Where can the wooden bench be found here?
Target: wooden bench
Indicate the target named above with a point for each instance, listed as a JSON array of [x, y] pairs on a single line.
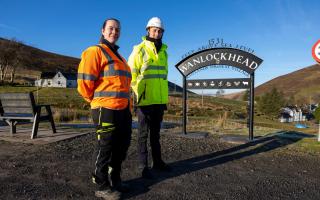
[[21, 107]]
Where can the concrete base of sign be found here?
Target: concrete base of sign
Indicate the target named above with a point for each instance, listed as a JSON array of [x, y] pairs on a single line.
[[236, 139], [193, 135]]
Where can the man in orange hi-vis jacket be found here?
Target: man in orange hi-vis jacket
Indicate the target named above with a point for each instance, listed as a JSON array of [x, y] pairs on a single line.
[[104, 79]]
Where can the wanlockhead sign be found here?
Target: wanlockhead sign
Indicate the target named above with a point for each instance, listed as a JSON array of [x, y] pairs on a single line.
[[219, 56], [242, 60]]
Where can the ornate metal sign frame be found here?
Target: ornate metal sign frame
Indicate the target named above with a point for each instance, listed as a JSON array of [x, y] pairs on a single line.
[[237, 58]]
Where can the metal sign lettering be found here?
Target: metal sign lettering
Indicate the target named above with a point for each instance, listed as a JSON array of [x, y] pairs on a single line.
[[235, 83], [219, 56]]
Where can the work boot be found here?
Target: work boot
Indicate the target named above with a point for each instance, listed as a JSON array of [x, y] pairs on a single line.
[[108, 194], [162, 166], [116, 181], [120, 186], [146, 173]]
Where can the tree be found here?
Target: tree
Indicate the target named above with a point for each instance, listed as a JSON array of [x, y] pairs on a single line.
[[316, 114], [10, 57], [246, 95], [291, 101], [271, 102]]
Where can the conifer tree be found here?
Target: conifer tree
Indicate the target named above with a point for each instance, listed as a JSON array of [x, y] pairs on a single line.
[[271, 102]]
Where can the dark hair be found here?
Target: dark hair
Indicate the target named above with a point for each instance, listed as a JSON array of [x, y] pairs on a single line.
[[104, 24]]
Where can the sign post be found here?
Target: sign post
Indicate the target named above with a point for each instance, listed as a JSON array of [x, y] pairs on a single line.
[[251, 111], [319, 132], [242, 60], [184, 124], [316, 56]]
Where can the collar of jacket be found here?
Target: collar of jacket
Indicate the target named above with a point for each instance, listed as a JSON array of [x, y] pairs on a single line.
[[151, 44], [157, 42], [112, 47]]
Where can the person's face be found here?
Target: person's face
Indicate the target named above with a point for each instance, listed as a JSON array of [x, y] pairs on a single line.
[[155, 33], [111, 31]]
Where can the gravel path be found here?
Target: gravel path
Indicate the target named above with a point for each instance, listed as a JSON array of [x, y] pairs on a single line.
[[202, 169]]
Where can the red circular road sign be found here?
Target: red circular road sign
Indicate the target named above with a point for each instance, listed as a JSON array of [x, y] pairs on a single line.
[[316, 51]]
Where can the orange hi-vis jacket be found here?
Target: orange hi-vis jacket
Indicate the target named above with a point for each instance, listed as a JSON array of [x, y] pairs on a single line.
[[104, 79]]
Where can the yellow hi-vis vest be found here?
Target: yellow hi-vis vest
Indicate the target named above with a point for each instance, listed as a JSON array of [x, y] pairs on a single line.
[[149, 71]]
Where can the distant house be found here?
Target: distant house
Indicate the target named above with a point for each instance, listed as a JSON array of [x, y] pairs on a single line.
[[57, 79], [292, 114], [45, 79]]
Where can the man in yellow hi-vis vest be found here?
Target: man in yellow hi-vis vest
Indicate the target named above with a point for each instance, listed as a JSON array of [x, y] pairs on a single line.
[[149, 68]]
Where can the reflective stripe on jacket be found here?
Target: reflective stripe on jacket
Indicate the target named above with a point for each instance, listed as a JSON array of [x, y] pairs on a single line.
[[103, 79], [149, 73]]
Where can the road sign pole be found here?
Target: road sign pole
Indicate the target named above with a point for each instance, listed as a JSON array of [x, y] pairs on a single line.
[[184, 123], [316, 56], [319, 132]]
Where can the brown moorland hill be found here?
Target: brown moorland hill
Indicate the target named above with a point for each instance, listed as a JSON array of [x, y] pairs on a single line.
[[303, 84], [33, 61]]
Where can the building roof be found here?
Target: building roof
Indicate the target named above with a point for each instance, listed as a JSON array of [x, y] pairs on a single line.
[[50, 75], [47, 75], [70, 76]]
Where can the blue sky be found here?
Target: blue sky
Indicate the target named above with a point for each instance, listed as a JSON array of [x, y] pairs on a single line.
[[281, 32]]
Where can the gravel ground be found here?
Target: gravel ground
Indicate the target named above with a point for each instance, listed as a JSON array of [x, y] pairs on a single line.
[[202, 169]]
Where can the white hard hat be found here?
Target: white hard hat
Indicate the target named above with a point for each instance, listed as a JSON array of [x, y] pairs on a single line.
[[155, 22]]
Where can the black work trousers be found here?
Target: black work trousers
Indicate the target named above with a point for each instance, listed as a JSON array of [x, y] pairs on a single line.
[[149, 119], [113, 131]]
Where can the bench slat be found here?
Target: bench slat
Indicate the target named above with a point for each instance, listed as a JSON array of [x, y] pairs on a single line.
[[21, 110], [12, 96], [15, 117], [16, 103]]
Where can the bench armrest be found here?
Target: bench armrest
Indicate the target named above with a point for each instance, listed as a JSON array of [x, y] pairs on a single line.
[[47, 106]]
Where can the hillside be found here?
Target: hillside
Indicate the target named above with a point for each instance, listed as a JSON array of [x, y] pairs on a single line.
[[33, 61], [43, 60], [37, 61], [303, 84], [234, 96]]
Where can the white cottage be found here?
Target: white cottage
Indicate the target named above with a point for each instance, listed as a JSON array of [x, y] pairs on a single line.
[[64, 80], [59, 79]]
